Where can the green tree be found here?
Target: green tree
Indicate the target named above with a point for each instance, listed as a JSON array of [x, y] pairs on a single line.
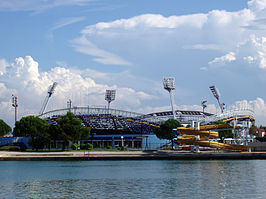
[[224, 133], [166, 130], [34, 127], [71, 129], [4, 128], [53, 134]]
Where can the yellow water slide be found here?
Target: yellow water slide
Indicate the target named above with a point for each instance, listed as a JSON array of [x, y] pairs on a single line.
[[201, 137]]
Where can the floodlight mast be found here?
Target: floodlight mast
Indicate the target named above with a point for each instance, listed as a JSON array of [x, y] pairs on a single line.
[[203, 104], [110, 96], [15, 105], [69, 104], [216, 94], [169, 85], [50, 91]]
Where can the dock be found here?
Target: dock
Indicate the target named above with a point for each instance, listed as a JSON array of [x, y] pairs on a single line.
[[128, 155]]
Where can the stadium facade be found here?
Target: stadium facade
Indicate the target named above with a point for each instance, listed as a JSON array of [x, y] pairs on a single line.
[[119, 128]]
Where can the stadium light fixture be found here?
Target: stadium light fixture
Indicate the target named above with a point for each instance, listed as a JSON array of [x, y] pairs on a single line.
[[169, 85], [15, 105], [110, 96], [216, 94]]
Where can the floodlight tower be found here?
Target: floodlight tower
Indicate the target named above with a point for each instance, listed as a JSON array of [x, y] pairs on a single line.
[[15, 105], [169, 85], [50, 91], [203, 104], [69, 104], [110, 96], [216, 94]]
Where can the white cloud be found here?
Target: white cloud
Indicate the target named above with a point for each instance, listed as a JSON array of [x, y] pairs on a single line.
[[3, 65], [204, 47], [257, 5], [37, 5], [223, 59], [86, 47], [62, 23], [154, 34], [30, 86], [148, 21], [249, 59], [22, 78], [252, 51]]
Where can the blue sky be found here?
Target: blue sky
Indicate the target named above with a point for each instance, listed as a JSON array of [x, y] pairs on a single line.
[[88, 46]]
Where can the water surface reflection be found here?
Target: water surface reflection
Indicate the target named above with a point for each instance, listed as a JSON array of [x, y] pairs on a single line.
[[133, 179]]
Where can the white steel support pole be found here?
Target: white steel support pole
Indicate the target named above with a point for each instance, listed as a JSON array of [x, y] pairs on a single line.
[[172, 103], [15, 105], [108, 106]]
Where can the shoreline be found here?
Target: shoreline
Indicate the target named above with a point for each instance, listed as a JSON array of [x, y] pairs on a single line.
[[129, 155]]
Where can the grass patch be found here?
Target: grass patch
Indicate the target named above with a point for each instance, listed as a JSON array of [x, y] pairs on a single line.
[[10, 148]]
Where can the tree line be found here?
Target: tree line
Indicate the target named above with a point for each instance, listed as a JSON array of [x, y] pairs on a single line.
[[43, 134]]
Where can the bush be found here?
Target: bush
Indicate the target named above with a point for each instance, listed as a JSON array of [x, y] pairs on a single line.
[[86, 146], [89, 146], [10, 148], [109, 147], [75, 146], [37, 143], [83, 146]]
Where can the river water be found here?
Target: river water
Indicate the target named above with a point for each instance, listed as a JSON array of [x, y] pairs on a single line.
[[133, 179]]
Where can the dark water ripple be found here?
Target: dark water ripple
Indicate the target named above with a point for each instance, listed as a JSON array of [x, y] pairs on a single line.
[[133, 179]]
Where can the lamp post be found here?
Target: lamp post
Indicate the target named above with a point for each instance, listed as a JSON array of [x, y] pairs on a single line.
[[15, 105], [169, 85], [122, 142]]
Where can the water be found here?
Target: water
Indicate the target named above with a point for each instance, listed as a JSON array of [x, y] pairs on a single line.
[[133, 179]]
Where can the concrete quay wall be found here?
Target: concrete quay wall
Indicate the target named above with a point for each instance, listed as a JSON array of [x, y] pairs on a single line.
[[128, 155]]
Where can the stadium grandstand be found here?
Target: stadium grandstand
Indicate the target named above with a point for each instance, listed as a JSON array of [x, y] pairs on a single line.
[[113, 127]]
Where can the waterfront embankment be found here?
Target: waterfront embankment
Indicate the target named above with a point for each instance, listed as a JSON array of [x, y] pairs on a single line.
[[128, 155]]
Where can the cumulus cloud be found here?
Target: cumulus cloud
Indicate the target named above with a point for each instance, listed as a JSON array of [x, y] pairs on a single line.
[[141, 35], [31, 86], [233, 34], [257, 5], [23, 79], [3, 65], [253, 51], [223, 59]]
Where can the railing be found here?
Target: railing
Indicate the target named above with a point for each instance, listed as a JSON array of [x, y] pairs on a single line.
[[232, 114], [155, 119], [100, 111]]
